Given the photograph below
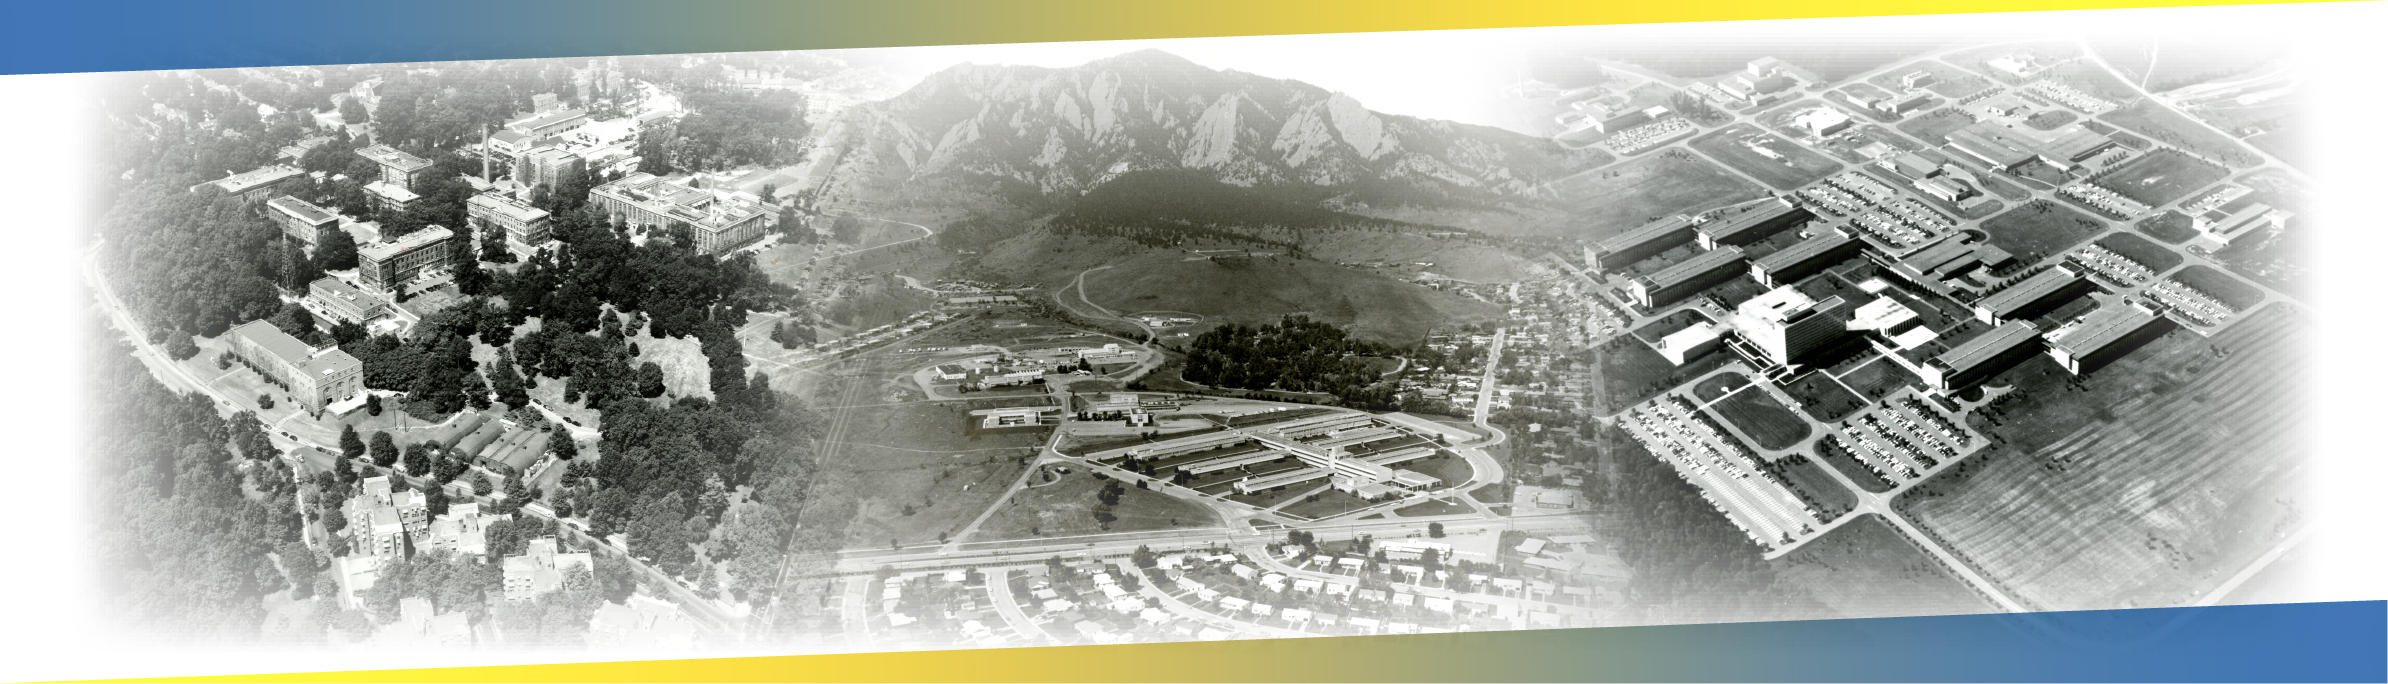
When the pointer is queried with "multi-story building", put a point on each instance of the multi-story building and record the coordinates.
(2104, 335)
(545, 126)
(302, 220)
(719, 221)
(1981, 357)
(1640, 243)
(2219, 227)
(526, 226)
(1805, 258)
(390, 197)
(314, 377)
(344, 302)
(547, 165)
(386, 265)
(540, 569)
(1786, 324)
(257, 185)
(397, 168)
(1752, 224)
(1693, 275)
(2036, 295)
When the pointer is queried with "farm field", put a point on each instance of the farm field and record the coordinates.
(1610, 200)
(1748, 148)
(912, 470)
(1933, 127)
(2142, 250)
(1868, 569)
(1765, 420)
(2164, 126)
(2040, 228)
(2160, 177)
(2172, 469)
(1066, 508)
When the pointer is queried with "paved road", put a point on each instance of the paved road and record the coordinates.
(999, 592)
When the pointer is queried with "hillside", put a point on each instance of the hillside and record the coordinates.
(1025, 132)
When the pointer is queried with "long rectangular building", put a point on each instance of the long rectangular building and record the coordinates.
(1693, 275)
(2003, 146)
(2104, 335)
(386, 265)
(2034, 296)
(1981, 357)
(302, 220)
(343, 302)
(313, 377)
(1641, 243)
(718, 224)
(526, 226)
(1805, 258)
(257, 185)
(397, 167)
(1752, 224)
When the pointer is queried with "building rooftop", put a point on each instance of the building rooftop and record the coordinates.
(538, 121)
(241, 182)
(2023, 294)
(1777, 304)
(302, 209)
(394, 158)
(1647, 232)
(392, 191)
(2008, 145)
(506, 206)
(1702, 264)
(1813, 247)
(1766, 212)
(390, 248)
(1987, 346)
(2102, 327)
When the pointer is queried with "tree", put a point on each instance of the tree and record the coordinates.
(1434, 530)
(345, 470)
(373, 404)
(418, 459)
(385, 451)
(650, 380)
(351, 446)
(435, 497)
(265, 401)
(516, 496)
(337, 252)
(562, 446)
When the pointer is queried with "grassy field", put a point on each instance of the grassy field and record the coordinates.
(2160, 177)
(1878, 378)
(2162, 125)
(2166, 472)
(1325, 504)
(1765, 420)
(1933, 128)
(1452, 470)
(1947, 81)
(1867, 569)
(1822, 398)
(2172, 227)
(2038, 229)
(1740, 145)
(1067, 508)
(2142, 250)
(1266, 289)
(1611, 200)
(1630, 372)
(1669, 325)
(1436, 507)
(1718, 386)
(1808, 479)
(913, 470)
(2232, 291)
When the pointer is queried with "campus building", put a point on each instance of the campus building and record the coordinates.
(1683, 346)
(397, 168)
(257, 185)
(2219, 227)
(1751, 224)
(1698, 273)
(2105, 335)
(526, 226)
(1786, 325)
(2039, 294)
(1822, 121)
(344, 302)
(718, 223)
(1981, 357)
(1806, 257)
(302, 220)
(386, 265)
(541, 569)
(2004, 145)
(1901, 105)
(1947, 259)
(545, 126)
(390, 197)
(313, 377)
(1640, 243)
(547, 165)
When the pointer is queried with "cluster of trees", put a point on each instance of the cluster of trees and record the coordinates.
(1295, 354)
(727, 128)
(1170, 207)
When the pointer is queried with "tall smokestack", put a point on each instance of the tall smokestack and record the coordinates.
(485, 152)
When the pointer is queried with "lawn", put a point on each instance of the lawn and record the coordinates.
(1669, 325)
(1765, 420)
(2233, 292)
(1878, 378)
(2165, 473)
(1868, 569)
(912, 469)
(2172, 227)
(1947, 81)
(2160, 177)
(2040, 228)
(1067, 508)
(1611, 200)
(2162, 125)
(1822, 398)
(2139, 249)
(1720, 385)
(1933, 128)
(1452, 470)
(1325, 504)
(1748, 149)
(1436, 507)
(1808, 479)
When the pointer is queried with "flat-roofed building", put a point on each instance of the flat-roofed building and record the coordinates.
(2219, 227)
(397, 167)
(1751, 224)
(1822, 121)
(719, 222)
(1698, 273)
(547, 126)
(1981, 357)
(1917, 79)
(1641, 243)
(548, 165)
(526, 226)
(314, 377)
(1684, 345)
(1947, 189)
(1910, 165)
(345, 302)
(2003, 146)
(2041, 293)
(390, 197)
(386, 265)
(1903, 104)
(302, 220)
(2104, 335)
(257, 185)
(1948, 258)
(1787, 325)
(1806, 257)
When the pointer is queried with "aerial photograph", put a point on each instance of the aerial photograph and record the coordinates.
(931, 348)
